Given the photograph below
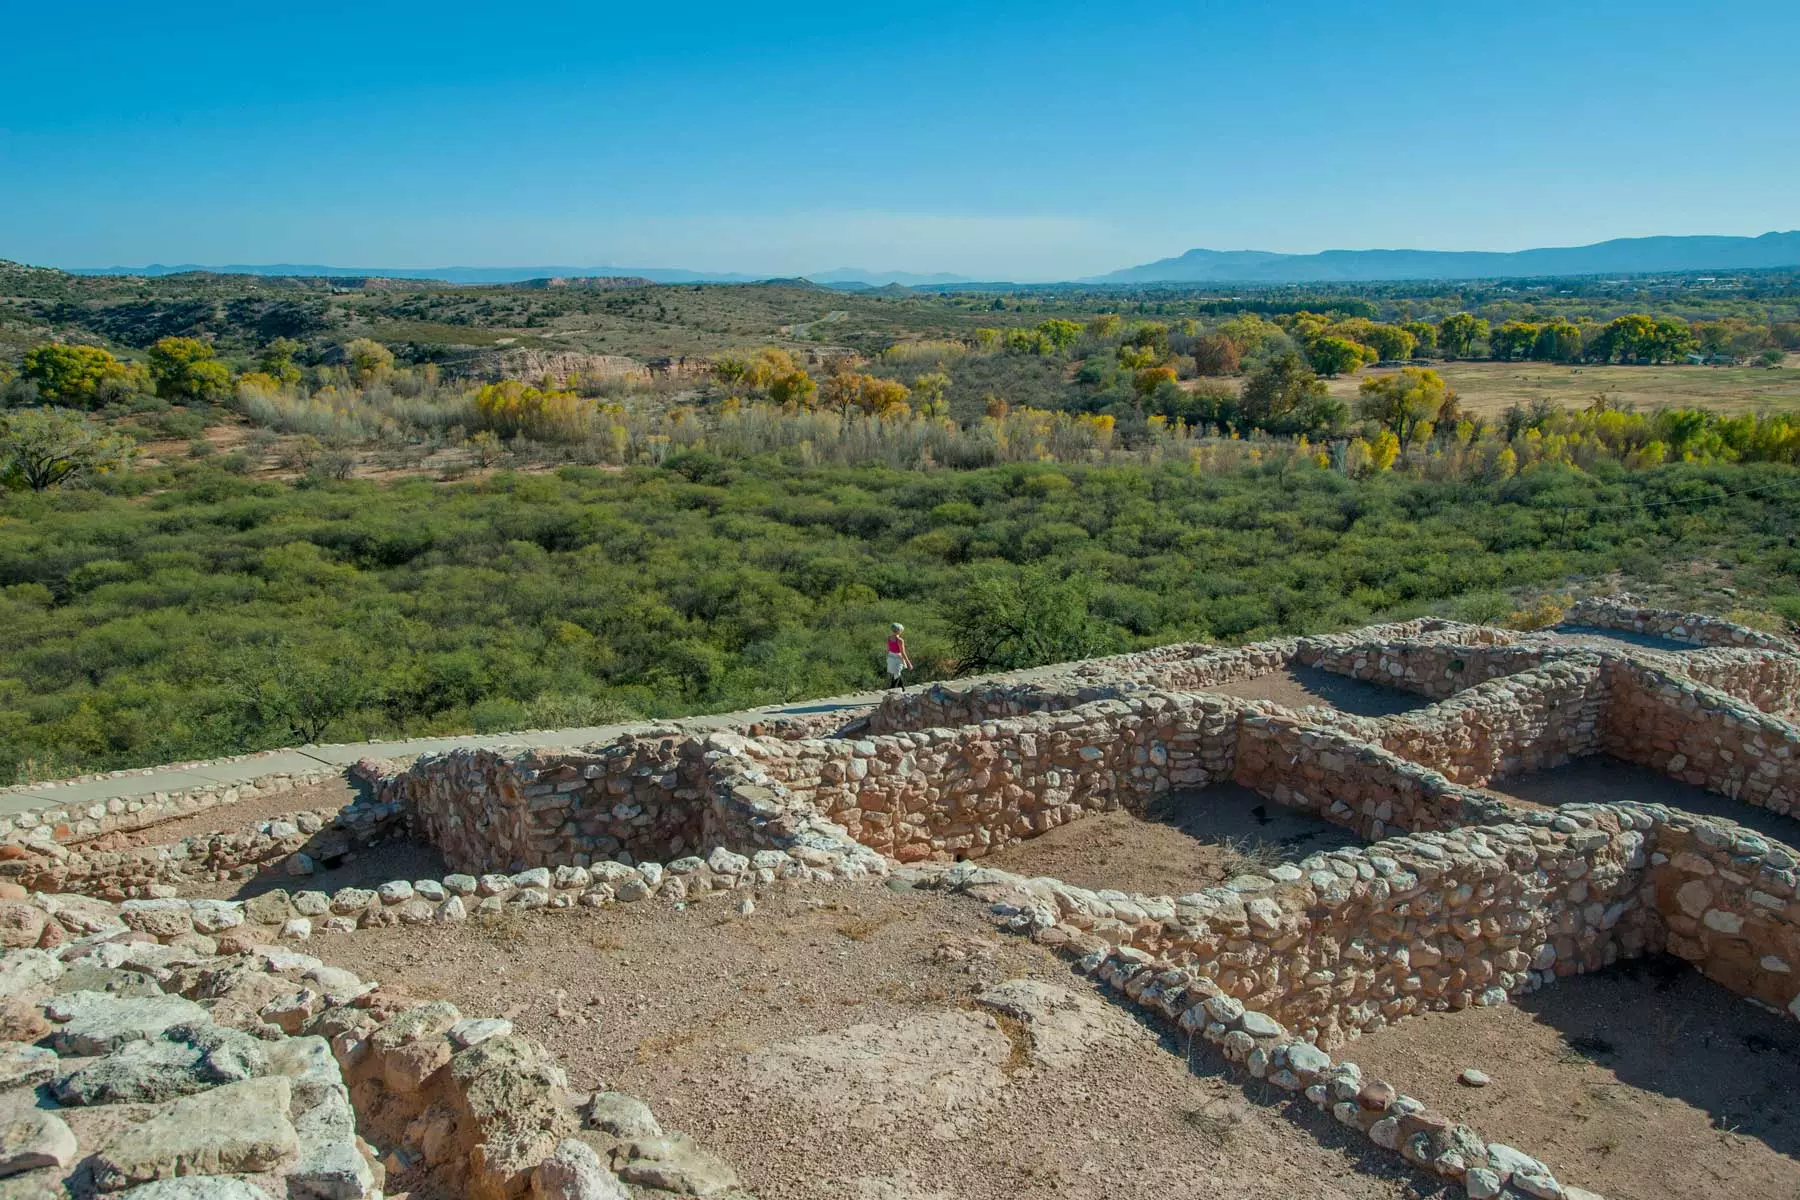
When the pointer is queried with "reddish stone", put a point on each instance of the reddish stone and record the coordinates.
(21, 1021)
(1375, 1096)
(53, 936)
(237, 941)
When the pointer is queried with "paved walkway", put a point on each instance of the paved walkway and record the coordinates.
(343, 754)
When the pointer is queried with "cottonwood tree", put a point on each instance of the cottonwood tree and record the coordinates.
(1404, 400)
(41, 448)
(87, 376)
(1459, 332)
(186, 369)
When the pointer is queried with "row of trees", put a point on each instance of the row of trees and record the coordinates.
(181, 370)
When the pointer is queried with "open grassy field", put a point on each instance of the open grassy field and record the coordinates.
(1488, 388)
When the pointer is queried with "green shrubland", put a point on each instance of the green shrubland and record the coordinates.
(185, 612)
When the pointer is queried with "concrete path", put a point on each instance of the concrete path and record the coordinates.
(339, 755)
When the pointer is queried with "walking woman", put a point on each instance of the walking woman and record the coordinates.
(897, 659)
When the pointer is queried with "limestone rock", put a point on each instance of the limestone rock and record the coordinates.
(331, 1167)
(29, 970)
(21, 924)
(25, 1066)
(240, 1128)
(473, 1031)
(622, 1116)
(269, 908)
(197, 1187)
(32, 1138)
(574, 1172)
(675, 1164)
(95, 1023)
(183, 1060)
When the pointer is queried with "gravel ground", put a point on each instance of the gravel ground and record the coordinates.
(1639, 1082)
(1195, 839)
(724, 1024)
(1297, 687)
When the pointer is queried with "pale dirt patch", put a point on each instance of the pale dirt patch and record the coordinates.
(1639, 1082)
(729, 1026)
(1301, 687)
(1192, 839)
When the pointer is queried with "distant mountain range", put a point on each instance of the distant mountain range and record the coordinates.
(1621, 256)
(442, 274)
(848, 277)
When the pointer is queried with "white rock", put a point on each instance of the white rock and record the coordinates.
(472, 1031)
(395, 891)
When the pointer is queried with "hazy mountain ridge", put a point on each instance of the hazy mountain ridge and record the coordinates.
(1618, 256)
(839, 276)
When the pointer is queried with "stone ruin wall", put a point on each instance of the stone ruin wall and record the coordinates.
(966, 792)
(488, 810)
(1342, 779)
(1508, 726)
(963, 792)
(1701, 736)
(1696, 628)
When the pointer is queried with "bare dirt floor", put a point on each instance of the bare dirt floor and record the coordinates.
(829, 1045)
(1639, 1082)
(1298, 687)
(1189, 840)
(1603, 780)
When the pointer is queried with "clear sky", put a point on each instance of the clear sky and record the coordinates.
(999, 140)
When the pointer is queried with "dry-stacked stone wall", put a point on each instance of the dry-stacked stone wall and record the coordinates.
(1349, 782)
(1768, 679)
(941, 707)
(1701, 736)
(1625, 615)
(1727, 899)
(124, 814)
(968, 791)
(1511, 725)
(490, 810)
(1434, 667)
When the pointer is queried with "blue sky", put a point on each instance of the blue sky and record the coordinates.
(1001, 140)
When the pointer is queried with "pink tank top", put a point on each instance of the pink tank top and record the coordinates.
(894, 644)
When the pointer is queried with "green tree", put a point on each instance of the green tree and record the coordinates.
(41, 448)
(1514, 339)
(1458, 334)
(277, 360)
(367, 359)
(929, 394)
(86, 376)
(1425, 335)
(1334, 356)
(295, 692)
(1390, 342)
(1558, 341)
(1003, 622)
(1060, 334)
(1284, 396)
(186, 369)
(1402, 400)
